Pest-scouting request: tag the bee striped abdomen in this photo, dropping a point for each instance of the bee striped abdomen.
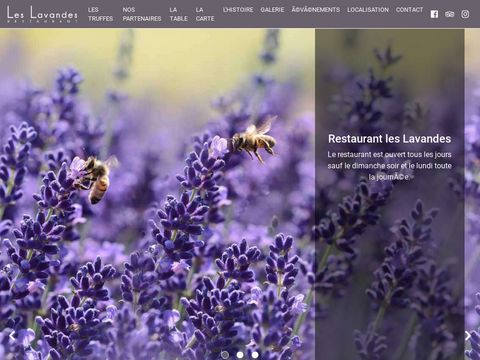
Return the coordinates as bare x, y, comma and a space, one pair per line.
103, 183
99, 189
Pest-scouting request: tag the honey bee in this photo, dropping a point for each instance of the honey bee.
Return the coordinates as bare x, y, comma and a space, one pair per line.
96, 177
255, 138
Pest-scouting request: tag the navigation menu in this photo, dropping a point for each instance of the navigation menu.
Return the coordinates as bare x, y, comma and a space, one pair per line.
241, 13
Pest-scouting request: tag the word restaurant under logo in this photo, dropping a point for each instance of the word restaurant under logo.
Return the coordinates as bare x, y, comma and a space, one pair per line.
33, 15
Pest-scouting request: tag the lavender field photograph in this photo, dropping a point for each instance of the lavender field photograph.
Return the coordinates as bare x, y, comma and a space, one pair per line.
157, 203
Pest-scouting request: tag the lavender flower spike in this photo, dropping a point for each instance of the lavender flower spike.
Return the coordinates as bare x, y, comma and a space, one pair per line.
13, 164
71, 328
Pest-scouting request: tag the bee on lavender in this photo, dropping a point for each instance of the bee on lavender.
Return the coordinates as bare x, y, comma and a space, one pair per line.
254, 139
96, 177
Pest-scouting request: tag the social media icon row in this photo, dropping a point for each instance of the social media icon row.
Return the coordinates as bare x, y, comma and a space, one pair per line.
434, 14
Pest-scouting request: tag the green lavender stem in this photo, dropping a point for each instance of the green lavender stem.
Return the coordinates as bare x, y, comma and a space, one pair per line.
10, 184
310, 297
402, 348
379, 318
303, 316
191, 342
377, 323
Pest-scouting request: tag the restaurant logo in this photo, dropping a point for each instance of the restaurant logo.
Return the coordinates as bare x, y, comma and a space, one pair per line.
37, 15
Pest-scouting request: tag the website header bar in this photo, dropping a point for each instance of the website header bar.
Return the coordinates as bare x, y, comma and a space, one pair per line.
239, 14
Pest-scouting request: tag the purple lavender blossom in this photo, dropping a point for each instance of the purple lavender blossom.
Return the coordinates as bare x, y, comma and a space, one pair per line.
13, 165
281, 270
71, 328
137, 280
236, 260
76, 168
218, 147
401, 281
35, 240
340, 230
214, 312
90, 280
270, 46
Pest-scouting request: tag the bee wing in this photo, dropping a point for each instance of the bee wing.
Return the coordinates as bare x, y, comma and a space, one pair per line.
251, 129
266, 126
111, 162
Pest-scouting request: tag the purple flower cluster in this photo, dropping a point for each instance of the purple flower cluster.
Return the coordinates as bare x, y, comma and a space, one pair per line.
71, 328
36, 240
339, 230
137, 279
13, 167
360, 105
90, 280
236, 261
213, 313
79, 281
280, 268
408, 278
